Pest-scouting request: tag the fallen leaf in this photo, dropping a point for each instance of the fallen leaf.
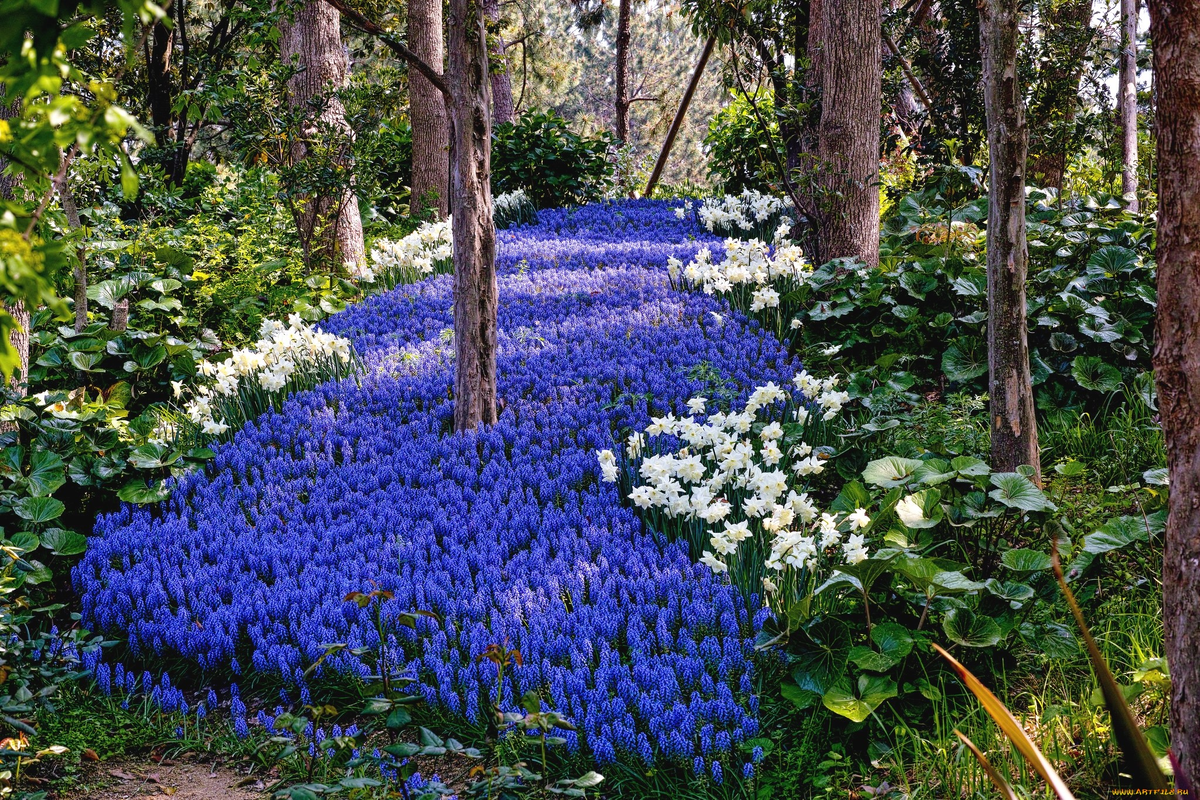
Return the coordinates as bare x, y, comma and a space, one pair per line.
122, 775
90, 755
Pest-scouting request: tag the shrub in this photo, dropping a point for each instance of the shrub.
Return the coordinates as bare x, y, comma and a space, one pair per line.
555, 166
739, 153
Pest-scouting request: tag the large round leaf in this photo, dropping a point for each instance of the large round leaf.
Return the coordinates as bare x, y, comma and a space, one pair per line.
891, 471
1093, 374
964, 626
964, 361
870, 693
1016, 491
63, 542
821, 655
39, 509
1025, 560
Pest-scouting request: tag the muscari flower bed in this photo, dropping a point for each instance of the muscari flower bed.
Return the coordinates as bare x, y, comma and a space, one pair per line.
507, 534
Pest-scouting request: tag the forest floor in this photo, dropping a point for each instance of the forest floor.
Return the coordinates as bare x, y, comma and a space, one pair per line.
144, 779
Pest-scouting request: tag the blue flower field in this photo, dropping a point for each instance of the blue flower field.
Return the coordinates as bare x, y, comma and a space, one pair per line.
508, 534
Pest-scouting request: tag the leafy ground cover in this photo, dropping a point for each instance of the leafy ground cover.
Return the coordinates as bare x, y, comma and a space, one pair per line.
508, 535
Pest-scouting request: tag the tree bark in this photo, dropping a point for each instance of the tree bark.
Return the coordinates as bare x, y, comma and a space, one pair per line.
1175, 33
1127, 103
427, 110
848, 136
680, 113
622, 68
502, 96
159, 87
475, 292
67, 199
313, 40
1014, 427
19, 337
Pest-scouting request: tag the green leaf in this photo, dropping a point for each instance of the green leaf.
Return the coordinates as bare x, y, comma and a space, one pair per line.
1025, 560
1009, 590
821, 655
964, 626
1116, 534
1093, 374
872, 692
136, 491
800, 698
398, 718
46, 473
970, 467
64, 543
893, 639
39, 510
891, 471
934, 471
964, 361
867, 659
1016, 491
954, 582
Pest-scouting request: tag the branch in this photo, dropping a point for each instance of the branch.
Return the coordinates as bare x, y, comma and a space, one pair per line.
649, 98
367, 26
918, 89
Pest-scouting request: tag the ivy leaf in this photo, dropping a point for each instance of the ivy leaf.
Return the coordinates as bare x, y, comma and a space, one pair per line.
964, 626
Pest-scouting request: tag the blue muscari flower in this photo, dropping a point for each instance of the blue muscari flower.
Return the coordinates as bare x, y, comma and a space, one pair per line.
717, 774
501, 528
212, 698
747, 770
756, 755
179, 732
240, 728
698, 765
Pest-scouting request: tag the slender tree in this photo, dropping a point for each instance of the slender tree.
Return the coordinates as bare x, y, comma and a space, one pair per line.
312, 39
502, 96
19, 336
427, 110
1127, 102
850, 69
622, 70
1010, 390
1175, 33
1066, 33
467, 89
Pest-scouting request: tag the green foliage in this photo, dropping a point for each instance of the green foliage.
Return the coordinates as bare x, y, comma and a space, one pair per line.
555, 166
923, 313
739, 153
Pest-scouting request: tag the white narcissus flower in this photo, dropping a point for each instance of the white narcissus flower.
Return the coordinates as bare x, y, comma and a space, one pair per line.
737, 531
769, 585
855, 548
713, 563
722, 545
696, 405
859, 519
213, 427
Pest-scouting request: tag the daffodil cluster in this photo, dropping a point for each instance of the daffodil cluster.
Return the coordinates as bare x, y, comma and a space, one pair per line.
426, 250
736, 484
269, 366
748, 211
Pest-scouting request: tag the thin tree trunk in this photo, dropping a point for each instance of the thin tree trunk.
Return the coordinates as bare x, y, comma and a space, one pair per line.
848, 143
1175, 33
1127, 103
502, 96
19, 337
680, 112
427, 110
160, 91
475, 292
67, 198
1014, 427
313, 38
622, 80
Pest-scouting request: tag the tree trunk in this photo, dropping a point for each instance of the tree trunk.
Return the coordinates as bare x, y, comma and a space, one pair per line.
1127, 103
158, 82
313, 38
1066, 36
1175, 33
1014, 427
502, 96
622, 100
848, 136
19, 337
427, 110
475, 293
67, 199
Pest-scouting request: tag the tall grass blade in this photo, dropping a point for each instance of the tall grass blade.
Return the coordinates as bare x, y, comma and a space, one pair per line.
1012, 729
1006, 790
1140, 760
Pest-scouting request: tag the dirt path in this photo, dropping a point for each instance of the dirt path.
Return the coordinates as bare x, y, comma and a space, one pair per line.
183, 780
